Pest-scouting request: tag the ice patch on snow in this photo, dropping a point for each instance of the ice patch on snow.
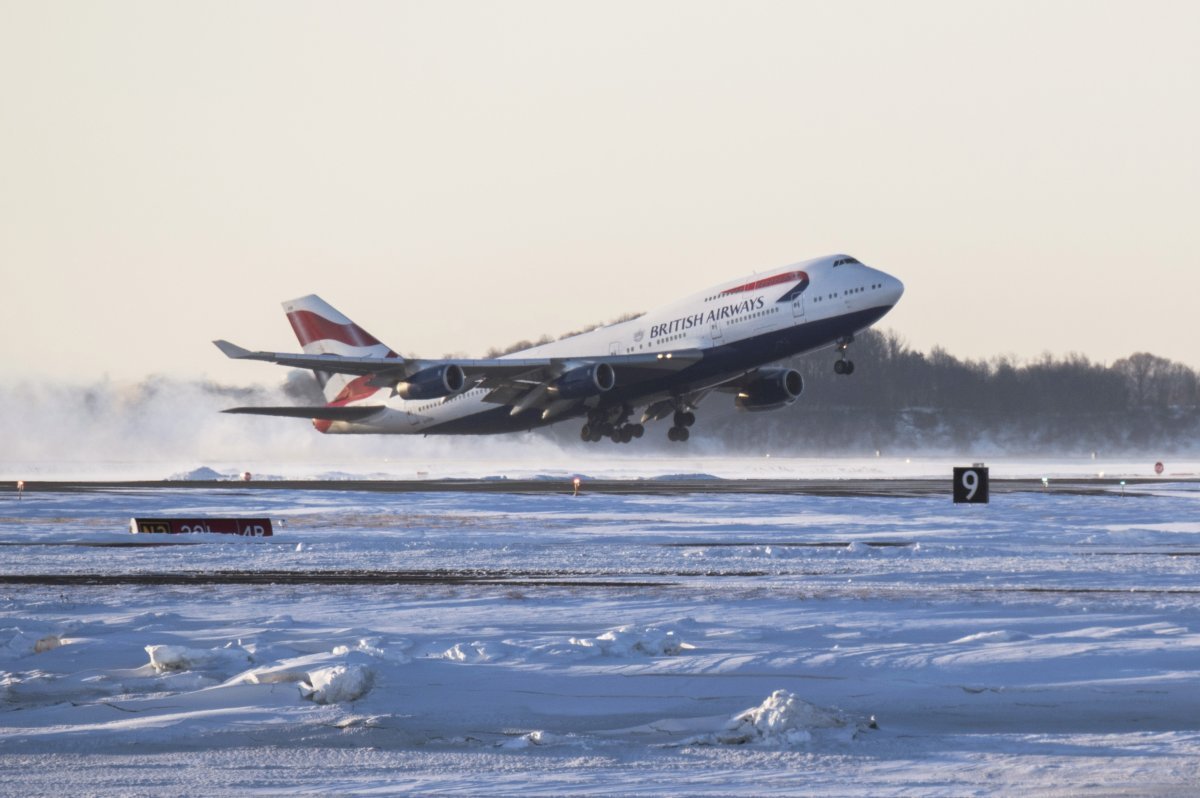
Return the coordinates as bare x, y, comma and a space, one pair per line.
998, 636
781, 721
629, 641
338, 684
181, 658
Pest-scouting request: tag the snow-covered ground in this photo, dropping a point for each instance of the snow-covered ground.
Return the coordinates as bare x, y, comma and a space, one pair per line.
748, 644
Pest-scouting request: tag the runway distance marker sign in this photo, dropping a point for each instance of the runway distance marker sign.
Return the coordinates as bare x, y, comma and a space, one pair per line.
971, 485
244, 527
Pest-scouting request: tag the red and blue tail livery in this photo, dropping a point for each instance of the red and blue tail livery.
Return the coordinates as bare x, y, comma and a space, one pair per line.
616, 379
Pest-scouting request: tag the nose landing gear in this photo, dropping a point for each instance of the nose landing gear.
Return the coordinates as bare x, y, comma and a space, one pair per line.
842, 365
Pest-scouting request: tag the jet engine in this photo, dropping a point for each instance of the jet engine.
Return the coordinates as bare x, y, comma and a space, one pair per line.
433, 382
769, 390
585, 381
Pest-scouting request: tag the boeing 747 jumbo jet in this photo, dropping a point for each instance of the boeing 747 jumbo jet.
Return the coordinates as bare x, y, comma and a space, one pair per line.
661, 363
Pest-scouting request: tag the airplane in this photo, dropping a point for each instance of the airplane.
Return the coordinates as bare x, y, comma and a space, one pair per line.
663, 363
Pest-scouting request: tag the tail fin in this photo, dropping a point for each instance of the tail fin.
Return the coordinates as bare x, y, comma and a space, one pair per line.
322, 330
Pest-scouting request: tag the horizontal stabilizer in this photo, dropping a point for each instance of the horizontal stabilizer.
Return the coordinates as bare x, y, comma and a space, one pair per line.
323, 412
232, 350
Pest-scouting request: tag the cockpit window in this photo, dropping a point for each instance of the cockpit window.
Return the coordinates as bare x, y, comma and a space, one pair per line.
841, 261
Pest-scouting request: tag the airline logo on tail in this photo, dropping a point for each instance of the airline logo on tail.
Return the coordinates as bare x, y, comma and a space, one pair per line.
319, 327
323, 330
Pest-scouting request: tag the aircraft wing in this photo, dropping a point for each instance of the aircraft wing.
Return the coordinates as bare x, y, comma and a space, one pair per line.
488, 372
522, 383
333, 364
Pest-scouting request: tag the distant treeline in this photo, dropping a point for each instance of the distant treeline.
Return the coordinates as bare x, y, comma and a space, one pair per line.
901, 400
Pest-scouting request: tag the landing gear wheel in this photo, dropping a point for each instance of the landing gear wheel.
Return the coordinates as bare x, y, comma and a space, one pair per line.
596, 436
684, 418
679, 434
684, 434
638, 430
842, 365
585, 434
626, 434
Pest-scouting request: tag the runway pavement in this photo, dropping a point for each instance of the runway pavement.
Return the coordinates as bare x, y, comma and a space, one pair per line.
659, 486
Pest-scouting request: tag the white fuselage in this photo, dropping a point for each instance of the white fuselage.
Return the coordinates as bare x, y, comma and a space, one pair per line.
710, 320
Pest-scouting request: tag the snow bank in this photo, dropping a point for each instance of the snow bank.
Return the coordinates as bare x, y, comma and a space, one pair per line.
337, 684
375, 647
629, 641
782, 720
201, 474
473, 652
21, 643
541, 738
180, 658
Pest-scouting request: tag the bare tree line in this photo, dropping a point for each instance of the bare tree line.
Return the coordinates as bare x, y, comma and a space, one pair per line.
902, 399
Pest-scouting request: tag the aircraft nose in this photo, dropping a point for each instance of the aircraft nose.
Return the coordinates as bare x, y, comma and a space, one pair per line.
892, 289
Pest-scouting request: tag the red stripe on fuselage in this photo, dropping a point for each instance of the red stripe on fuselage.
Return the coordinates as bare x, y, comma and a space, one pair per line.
310, 327
766, 282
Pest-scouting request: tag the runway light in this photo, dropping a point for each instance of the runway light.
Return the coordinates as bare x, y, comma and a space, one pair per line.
20, 489
575, 482
1045, 483
1122, 487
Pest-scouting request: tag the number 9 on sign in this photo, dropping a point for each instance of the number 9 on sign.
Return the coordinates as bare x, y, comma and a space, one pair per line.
971, 485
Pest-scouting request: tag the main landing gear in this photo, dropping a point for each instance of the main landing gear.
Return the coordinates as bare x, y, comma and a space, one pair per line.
842, 365
614, 426
680, 432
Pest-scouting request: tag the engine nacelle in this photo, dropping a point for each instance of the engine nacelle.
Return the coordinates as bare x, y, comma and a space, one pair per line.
433, 383
584, 381
773, 389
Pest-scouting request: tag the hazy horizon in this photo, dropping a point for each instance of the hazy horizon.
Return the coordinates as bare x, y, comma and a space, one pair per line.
461, 176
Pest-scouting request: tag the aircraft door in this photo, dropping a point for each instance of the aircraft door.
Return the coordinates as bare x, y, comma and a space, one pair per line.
798, 307
715, 332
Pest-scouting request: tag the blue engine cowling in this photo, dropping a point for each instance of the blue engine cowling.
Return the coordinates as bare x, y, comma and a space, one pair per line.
432, 383
584, 381
770, 390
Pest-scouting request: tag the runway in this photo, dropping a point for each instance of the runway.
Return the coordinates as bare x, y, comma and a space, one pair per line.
665, 486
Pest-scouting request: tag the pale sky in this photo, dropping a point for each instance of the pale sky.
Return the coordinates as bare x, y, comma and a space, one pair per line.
455, 176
